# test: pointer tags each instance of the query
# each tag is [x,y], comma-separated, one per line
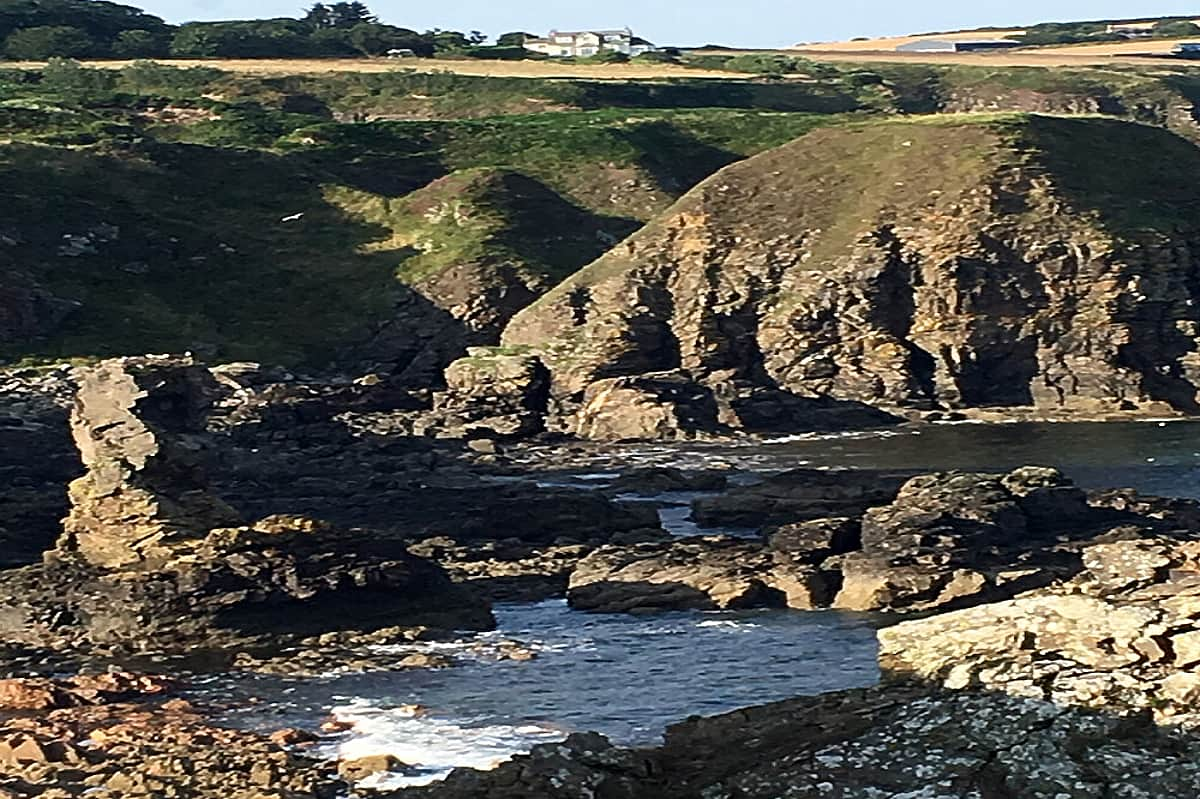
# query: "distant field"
[499,69]
[892,42]
[884,50]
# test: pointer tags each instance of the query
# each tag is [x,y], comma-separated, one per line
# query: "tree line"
[37,30]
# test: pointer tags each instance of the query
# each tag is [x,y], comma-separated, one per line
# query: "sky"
[742,23]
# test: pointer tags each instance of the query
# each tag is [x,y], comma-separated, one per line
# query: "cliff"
[963,262]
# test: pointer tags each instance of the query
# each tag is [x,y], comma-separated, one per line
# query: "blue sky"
[763,23]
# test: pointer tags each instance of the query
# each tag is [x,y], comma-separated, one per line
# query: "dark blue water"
[624,676]
[1159,458]
[628,677]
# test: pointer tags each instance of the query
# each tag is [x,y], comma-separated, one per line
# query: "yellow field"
[870,51]
[503,69]
[892,42]
[883,50]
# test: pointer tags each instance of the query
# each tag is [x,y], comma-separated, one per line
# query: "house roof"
[598,32]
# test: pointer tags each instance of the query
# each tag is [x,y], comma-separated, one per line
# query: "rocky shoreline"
[1050,636]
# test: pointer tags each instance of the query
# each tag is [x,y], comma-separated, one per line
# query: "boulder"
[799,495]
[698,573]
[956,538]
[664,406]
[492,392]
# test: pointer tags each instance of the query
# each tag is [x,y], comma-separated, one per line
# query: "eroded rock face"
[37,460]
[973,265]
[135,422]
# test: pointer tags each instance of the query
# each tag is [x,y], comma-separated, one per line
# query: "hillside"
[148,217]
[196,168]
[955,262]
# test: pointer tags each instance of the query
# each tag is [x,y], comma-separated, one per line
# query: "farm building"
[563,44]
[956,45]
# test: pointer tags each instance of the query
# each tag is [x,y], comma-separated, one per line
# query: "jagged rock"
[283,579]
[978,264]
[1120,637]
[362,767]
[896,741]
[135,421]
[953,537]
[704,574]
[151,558]
[492,393]
[816,540]
[797,495]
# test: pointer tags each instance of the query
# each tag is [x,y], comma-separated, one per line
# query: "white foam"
[853,435]
[432,746]
[728,624]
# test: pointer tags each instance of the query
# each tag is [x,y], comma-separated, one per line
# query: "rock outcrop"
[1002,266]
[695,573]
[897,741]
[152,558]
[1122,636]
[136,422]
[878,541]
[479,246]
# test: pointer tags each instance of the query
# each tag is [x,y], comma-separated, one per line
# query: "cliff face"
[966,262]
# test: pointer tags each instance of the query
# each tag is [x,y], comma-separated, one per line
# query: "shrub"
[606,57]
[147,76]
[658,57]
[763,64]
[72,81]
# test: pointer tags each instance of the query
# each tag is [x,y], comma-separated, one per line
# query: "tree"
[1176,29]
[477,37]
[374,39]
[349,15]
[138,44]
[48,41]
[102,21]
[319,16]
[259,38]
[446,41]
[514,39]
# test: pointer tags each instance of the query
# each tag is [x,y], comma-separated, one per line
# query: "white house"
[581,44]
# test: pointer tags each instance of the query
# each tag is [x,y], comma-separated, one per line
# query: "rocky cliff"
[1021,262]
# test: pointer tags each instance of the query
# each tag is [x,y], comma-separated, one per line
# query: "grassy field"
[479,68]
